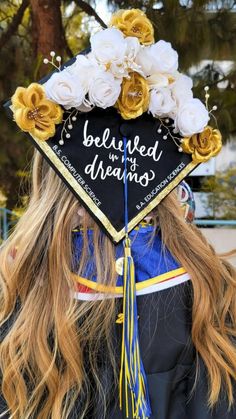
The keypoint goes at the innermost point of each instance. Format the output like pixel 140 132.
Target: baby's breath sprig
pixel 52 61
pixel 68 125
pixel 207 95
pixel 177 140
pixel 213 116
pixel 214 108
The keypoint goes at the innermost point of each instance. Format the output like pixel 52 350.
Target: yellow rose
pixel 34 113
pixel 203 145
pixel 135 23
pixel 134 96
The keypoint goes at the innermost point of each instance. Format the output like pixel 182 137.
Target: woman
pixel 59 355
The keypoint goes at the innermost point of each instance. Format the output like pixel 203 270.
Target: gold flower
pixel 34 113
pixel 135 23
pixel 134 96
pixel 203 145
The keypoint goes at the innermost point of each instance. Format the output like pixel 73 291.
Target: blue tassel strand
pixel 133 381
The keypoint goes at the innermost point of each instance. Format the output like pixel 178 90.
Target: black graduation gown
pixel 169 360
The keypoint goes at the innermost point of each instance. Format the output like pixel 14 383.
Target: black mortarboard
pixel 91 163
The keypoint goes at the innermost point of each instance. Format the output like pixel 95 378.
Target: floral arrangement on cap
pixel 128 70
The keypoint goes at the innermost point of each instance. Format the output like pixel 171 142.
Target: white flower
pixel 132 48
pixel 182 89
pixel 161 102
pixel 164 57
pixel 122 69
pixel 191 118
pixel 85 106
pixel 115 53
pixel 158 80
pixel 145 60
pixel 83 69
pixel 105 90
pixel 65 89
pixel 108 46
pixel 129 64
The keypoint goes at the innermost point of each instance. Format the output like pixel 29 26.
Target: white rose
pixel 132 48
pixel 145 60
pixel 122 69
pixel 182 89
pixel 105 90
pixel 164 57
pixel 191 117
pixel 161 102
pixel 158 80
pixel 65 89
pixel 85 106
pixel 119 70
pixel 83 69
pixel 108 46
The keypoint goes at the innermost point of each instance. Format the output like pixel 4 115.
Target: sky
pixel 102 10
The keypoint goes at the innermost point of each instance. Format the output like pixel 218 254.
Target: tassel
pixel 133 382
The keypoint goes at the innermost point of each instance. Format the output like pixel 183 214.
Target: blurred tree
pixel 17 18
pixel 29 29
pixel 222 193
pixel 47 29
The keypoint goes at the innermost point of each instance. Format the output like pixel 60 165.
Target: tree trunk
pixel 47 28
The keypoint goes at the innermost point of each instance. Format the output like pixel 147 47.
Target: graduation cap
pixel 121 128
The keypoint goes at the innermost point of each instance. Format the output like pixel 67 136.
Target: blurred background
pixel 204 34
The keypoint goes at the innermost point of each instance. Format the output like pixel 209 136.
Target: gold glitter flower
pixel 135 23
pixel 134 96
pixel 203 145
pixel 34 113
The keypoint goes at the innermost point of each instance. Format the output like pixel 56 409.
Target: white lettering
pixel 96 169
pixel 132 146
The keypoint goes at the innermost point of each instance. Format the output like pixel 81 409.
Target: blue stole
pixel 151 259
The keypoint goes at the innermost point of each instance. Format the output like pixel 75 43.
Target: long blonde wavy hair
pixel 43 380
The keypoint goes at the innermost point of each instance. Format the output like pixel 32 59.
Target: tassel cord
pixel 133 382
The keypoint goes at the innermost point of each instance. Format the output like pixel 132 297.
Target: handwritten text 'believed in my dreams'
pixel 96 169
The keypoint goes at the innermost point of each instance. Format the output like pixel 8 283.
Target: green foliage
pixel 222 193
pixel 77 32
